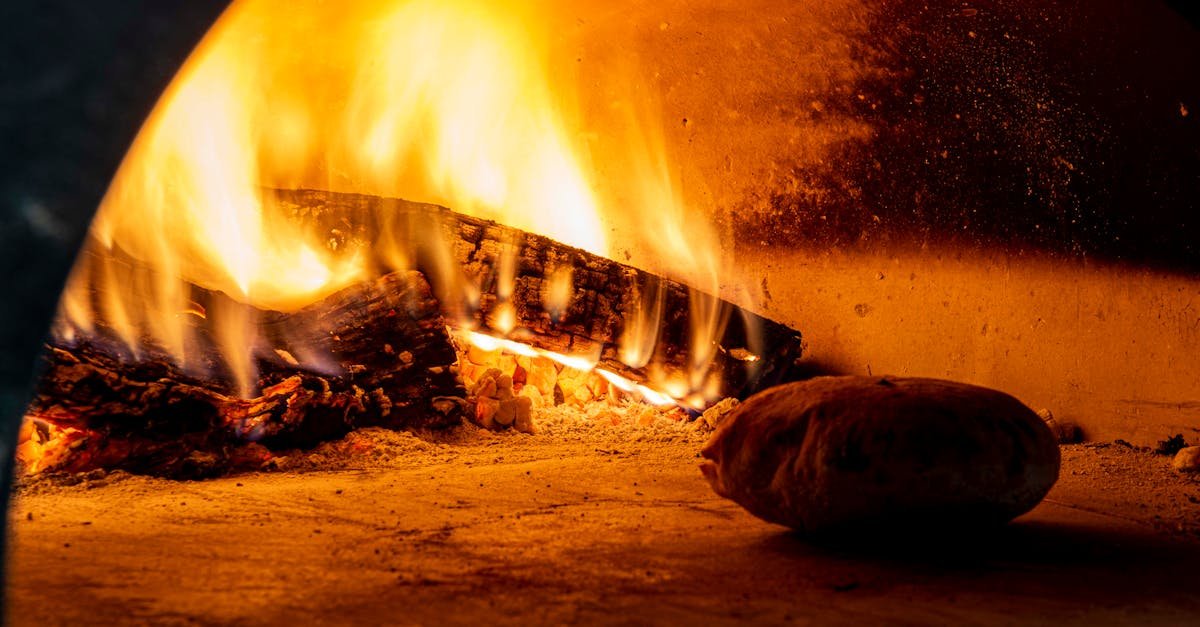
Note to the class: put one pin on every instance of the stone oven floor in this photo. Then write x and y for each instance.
(588, 525)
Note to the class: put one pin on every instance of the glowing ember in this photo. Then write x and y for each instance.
(41, 445)
(506, 376)
(574, 372)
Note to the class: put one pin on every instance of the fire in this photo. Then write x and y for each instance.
(558, 296)
(41, 445)
(495, 348)
(454, 102)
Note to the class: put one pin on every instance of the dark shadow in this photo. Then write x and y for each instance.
(1023, 569)
(1085, 560)
(810, 367)
(77, 80)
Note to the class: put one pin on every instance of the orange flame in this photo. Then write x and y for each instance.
(646, 394)
(558, 293)
(445, 101)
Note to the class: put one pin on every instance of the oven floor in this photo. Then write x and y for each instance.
(603, 529)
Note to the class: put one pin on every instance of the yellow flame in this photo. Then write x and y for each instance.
(583, 363)
(642, 327)
(436, 101)
(456, 102)
(503, 318)
(490, 343)
(558, 292)
(452, 103)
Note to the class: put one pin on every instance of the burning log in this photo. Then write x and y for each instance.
(388, 362)
(380, 353)
(529, 288)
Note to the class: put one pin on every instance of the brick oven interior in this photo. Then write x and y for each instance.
(999, 194)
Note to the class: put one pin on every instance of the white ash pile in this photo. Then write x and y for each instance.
(615, 423)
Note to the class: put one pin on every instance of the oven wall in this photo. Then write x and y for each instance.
(1000, 193)
(1111, 348)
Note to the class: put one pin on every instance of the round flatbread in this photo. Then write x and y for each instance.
(888, 453)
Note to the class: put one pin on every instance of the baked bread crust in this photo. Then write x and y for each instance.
(836, 453)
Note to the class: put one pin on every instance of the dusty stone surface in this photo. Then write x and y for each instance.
(890, 454)
(587, 522)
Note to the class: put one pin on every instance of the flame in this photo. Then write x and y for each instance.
(455, 102)
(641, 330)
(558, 293)
(491, 343)
(582, 363)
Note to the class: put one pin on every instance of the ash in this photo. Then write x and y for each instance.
(611, 428)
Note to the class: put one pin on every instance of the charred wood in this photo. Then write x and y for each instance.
(378, 354)
(634, 323)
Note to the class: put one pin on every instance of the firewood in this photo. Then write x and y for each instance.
(391, 364)
(453, 250)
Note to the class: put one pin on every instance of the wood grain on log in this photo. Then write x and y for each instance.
(463, 257)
